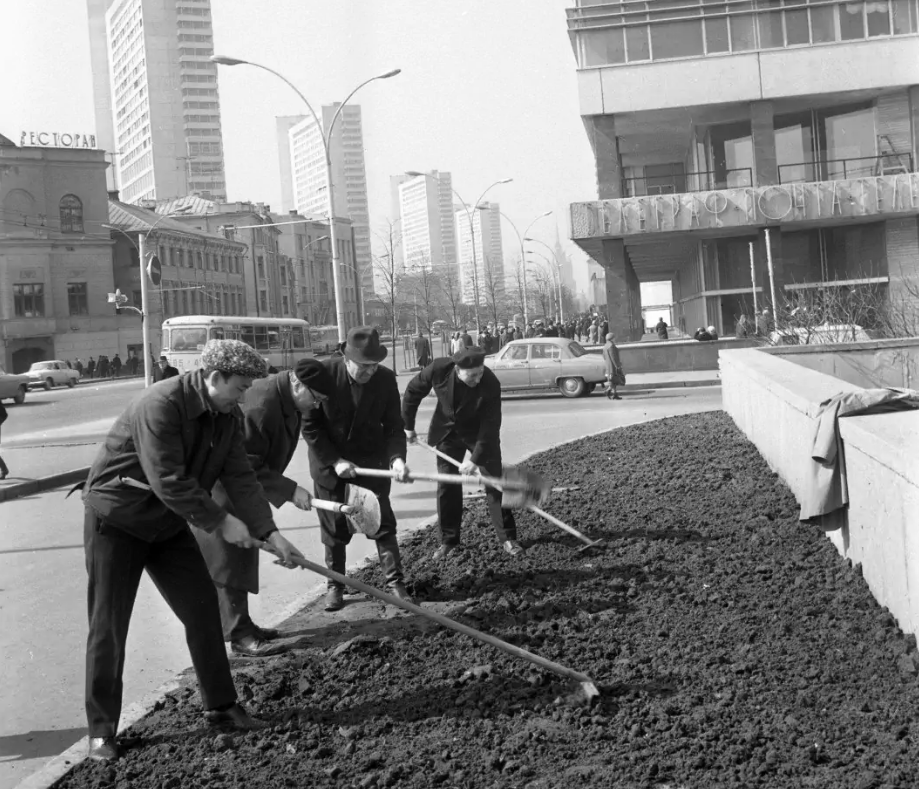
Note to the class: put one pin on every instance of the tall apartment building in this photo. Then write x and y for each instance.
(428, 225)
(488, 259)
(155, 94)
(306, 164)
(720, 125)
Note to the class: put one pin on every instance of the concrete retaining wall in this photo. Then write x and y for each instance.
(873, 364)
(673, 355)
(774, 402)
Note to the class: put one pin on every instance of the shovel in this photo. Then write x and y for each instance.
(588, 688)
(523, 496)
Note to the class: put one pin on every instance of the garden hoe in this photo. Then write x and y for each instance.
(532, 492)
(588, 690)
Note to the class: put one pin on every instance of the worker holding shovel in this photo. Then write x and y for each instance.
(272, 411)
(467, 418)
(358, 425)
(152, 479)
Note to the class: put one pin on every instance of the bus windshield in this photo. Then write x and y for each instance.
(188, 338)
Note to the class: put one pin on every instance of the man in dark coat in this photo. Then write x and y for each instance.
(116, 366)
(467, 418)
(272, 421)
(661, 329)
(152, 479)
(165, 370)
(422, 350)
(359, 426)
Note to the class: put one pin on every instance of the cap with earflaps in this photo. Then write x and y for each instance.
(473, 356)
(233, 357)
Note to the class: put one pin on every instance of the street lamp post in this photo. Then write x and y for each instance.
(520, 240)
(559, 313)
(558, 267)
(326, 137)
(475, 263)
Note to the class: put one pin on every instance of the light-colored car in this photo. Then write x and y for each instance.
(52, 373)
(547, 362)
(13, 387)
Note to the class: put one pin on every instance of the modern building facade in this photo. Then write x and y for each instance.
(309, 180)
(156, 99)
(428, 225)
(481, 271)
(727, 134)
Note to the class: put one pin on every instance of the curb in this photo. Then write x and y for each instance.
(44, 483)
(669, 385)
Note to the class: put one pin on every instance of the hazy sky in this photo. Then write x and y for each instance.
(487, 91)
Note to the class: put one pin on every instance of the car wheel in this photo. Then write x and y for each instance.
(20, 396)
(572, 387)
(48, 383)
(70, 383)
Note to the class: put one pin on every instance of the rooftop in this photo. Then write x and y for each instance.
(134, 218)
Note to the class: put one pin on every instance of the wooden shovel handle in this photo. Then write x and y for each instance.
(442, 620)
(454, 479)
(331, 506)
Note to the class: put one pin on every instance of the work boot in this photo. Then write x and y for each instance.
(234, 717)
(442, 551)
(103, 749)
(514, 548)
(335, 560)
(255, 646)
(391, 564)
(398, 590)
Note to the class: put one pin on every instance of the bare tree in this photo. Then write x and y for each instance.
(389, 276)
(543, 289)
(447, 281)
(423, 285)
(493, 285)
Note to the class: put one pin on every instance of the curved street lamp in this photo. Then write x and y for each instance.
(475, 264)
(560, 314)
(558, 266)
(520, 240)
(325, 136)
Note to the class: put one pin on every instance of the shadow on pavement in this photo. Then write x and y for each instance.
(38, 744)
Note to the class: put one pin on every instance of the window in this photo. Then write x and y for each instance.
(516, 353)
(188, 339)
(71, 214)
(29, 300)
(76, 298)
(285, 308)
(545, 351)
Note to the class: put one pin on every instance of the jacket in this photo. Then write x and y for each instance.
(371, 435)
(170, 442)
(477, 423)
(271, 423)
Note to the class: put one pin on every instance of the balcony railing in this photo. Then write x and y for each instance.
(843, 169)
(677, 183)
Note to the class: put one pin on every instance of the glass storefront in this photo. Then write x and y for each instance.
(628, 31)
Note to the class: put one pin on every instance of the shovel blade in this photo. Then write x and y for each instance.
(365, 516)
(523, 488)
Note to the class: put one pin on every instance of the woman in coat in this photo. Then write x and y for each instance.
(614, 372)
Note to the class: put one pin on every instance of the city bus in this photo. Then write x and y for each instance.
(280, 341)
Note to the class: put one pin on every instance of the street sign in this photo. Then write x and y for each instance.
(155, 270)
(117, 298)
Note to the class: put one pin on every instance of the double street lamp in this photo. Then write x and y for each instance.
(557, 278)
(477, 205)
(523, 264)
(325, 136)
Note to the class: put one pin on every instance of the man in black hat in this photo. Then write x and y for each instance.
(272, 412)
(358, 426)
(467, 418)
(165, 370)
(152, 479)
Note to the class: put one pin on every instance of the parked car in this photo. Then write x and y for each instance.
(52, 373)
(547, 362)
(13, 387)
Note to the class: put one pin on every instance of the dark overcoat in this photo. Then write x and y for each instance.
(477, 421)
(271, 424)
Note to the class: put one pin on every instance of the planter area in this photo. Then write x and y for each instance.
(732, 645)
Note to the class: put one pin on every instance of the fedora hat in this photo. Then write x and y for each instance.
(363, 346)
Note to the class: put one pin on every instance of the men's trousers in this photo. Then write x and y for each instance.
(234, 612)
(114, 563)
(450, 499)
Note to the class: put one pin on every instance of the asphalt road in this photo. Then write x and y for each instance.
(42, 578)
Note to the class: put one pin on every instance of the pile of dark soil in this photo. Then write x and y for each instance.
(733, 647)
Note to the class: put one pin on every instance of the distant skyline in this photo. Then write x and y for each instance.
(487, 91)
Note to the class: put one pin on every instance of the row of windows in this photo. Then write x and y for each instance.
(176, 256)
(184, 23)
(199, 78)
(182, 299)
(212, 148)
(196, 37)
(202, 118)
(198, 64)
(136, 168)
(199, 92)
(202, 51)
(29, 299)
(183, 9)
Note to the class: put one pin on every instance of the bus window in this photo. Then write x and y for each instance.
(188, 339)
(274, 337)
(261, 338)
(165, 341)
(296, 336)
(217, 333)
(247, 335)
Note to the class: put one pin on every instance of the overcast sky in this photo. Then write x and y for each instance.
(487, 91)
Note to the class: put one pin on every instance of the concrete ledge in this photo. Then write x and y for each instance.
(42, 484)
(775, 402)
(667, 356)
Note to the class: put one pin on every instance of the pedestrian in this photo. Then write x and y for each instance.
(467, 339)
(103, 366)
(272, 418)
(530, 331)
(467, 419)
(603, 328)
(91, 367)
(360, 425)
(422, 350)
(742, 327)
(661, 328)
(116, 366)
(79, 366)
(4, 471)
(150, 481)
(615, 375)
(712, 333)
(132, 364)
(165, 370)
(592, 332)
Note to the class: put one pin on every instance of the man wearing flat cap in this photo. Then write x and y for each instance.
(467, 418)
(358, 426)
(151, 480)
(272, 413)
